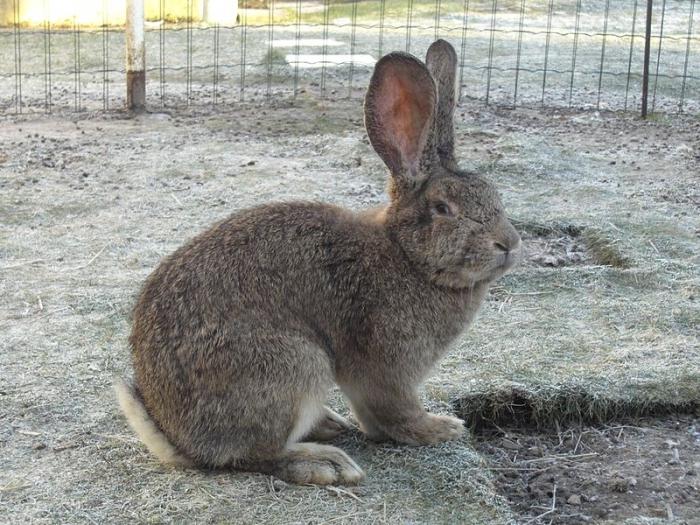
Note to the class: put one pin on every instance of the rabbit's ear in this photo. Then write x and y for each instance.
(441, 60)
(399, 108)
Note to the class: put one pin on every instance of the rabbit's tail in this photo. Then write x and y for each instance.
(146, 429)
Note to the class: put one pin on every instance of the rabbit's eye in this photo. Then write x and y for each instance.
(442, 209)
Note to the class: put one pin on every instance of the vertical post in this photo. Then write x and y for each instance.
(647, 53)
(18, 56)
(135, 56)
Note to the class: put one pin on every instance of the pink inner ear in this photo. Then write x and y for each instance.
(405, 107)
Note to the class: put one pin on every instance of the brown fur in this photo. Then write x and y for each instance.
(239, 335)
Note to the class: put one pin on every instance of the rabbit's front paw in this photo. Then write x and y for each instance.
(443, 428)
(428, 429)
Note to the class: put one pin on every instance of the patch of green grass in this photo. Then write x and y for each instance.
(604, 248)
(550, 405)
(544, 229)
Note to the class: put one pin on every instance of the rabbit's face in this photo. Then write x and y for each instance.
(455, 229)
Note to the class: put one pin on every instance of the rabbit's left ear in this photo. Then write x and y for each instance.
(399, 110)
(441, 61)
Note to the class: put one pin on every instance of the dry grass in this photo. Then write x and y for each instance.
(87, 209)
(548, 406)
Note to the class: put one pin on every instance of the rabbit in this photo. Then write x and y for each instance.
(239, 335)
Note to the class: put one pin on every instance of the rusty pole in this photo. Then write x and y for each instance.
(135, 56)
(647, 53)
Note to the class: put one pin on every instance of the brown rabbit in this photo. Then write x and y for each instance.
(239, 335)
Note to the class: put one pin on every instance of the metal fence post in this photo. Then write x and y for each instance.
(647, 53)
(135, 56)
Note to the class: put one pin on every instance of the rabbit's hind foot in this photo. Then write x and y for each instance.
(310, 463)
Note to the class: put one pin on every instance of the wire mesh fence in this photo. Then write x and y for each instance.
(561, 53)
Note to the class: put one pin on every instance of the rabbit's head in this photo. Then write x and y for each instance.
(450, 223)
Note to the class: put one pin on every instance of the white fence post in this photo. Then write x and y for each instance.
(135, 56)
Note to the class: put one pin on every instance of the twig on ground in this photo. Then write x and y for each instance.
(20, 265)
(28, 433)
(503, 303)
(559, 457)
(14, 485)
(339, 491)
(65, 446)
(51, 313)
(556, 424)
(532, 293)
(89, 262)
(345, 516)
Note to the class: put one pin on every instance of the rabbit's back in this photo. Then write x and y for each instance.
(281, 263)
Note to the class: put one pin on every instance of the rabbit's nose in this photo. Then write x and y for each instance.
(510, 245)
(501, 247)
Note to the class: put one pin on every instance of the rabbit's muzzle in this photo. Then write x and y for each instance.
(507, 252)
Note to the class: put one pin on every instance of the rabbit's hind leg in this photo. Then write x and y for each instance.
(311, 463)
(284, 402)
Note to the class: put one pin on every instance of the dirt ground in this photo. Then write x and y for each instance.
(604, 305)
(589, 474)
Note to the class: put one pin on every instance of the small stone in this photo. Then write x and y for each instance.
(618, 484)
(574, 499)
(676, 458)
(279, 485)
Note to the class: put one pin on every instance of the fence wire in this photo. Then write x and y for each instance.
(559, 53)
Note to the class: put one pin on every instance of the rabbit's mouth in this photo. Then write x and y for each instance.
(492, 266)
(506, 260)
(501, 260)
(476, 268)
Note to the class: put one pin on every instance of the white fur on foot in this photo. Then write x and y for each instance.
(319, 465)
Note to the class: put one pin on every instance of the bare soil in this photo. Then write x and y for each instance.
(637, 469)
(554, 250)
